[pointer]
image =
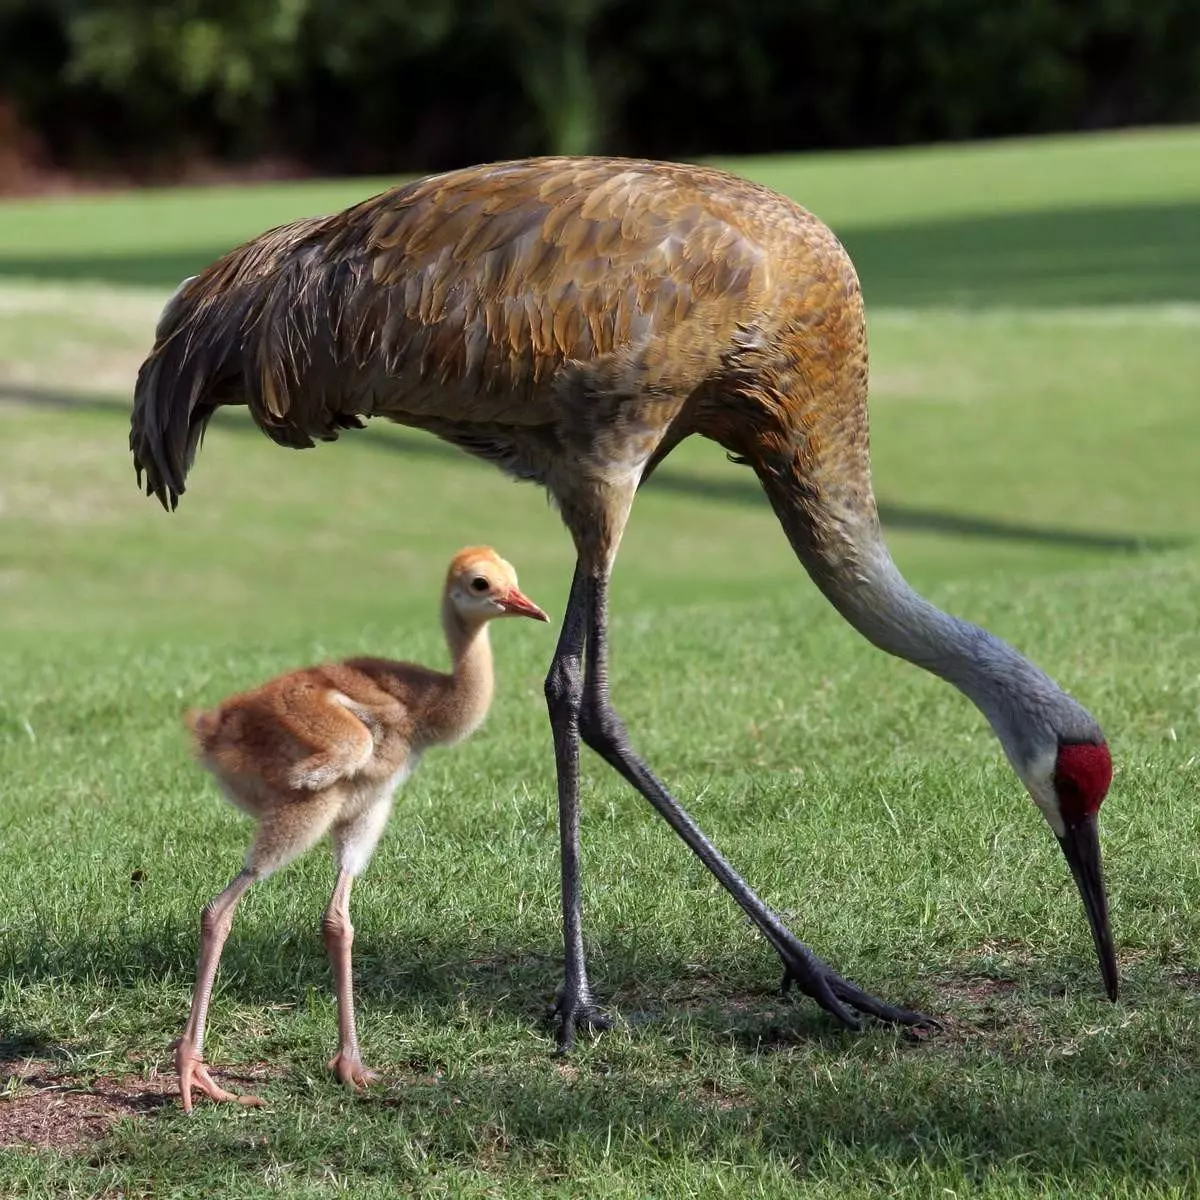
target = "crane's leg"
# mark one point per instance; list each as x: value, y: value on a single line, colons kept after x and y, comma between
x: 602, y: 730
x: 573, y: 1006
x: 215, y: 921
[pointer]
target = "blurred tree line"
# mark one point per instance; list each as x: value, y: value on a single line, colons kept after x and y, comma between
x: 394, y: 85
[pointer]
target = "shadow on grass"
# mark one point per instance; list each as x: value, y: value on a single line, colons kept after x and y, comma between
x: 1086, y: 256
x: 1083, y: 256
x: 521, y: 1128
x: 848, y: 1104
x: 18, y: 1044
x: 400, y: 971
x: 741, y: 488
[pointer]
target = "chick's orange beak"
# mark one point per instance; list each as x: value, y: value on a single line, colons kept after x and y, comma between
x: 516, y: 604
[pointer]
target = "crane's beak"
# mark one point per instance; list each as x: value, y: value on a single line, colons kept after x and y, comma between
x: 1081, y: 845
x: 516, y: 604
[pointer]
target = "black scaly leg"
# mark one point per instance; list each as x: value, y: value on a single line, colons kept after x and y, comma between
x: 573, y: 1006
x: 603, y: 731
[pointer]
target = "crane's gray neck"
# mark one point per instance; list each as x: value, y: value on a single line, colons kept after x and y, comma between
x: 879, y: 602
x: 847, y: 558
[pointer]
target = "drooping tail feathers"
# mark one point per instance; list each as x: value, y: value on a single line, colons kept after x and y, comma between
x: 244, y: 331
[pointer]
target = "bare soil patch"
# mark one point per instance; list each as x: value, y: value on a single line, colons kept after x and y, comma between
x: 718, y: 1096
x: 44, y: 1108
x: 1190, y: 980
x: 976, y: 989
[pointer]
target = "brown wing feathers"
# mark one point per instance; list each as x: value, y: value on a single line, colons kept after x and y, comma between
x: 199, y: 359
x: 485, y: 280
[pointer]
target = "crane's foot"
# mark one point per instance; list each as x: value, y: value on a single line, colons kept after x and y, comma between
x: 574, y: 1009
x: 350, y: 1070
x: 193, y: 1073
x: 833, y: 993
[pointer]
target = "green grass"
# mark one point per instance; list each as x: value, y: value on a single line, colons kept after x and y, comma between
x: 1083, y: 220
x: 1035, y: 441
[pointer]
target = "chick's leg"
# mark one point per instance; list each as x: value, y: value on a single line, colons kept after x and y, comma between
x: 215, y: 921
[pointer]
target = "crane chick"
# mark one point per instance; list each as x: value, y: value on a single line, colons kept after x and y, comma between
x: 322, y: 750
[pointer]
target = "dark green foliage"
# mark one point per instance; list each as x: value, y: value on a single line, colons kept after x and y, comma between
x: 404, y: 84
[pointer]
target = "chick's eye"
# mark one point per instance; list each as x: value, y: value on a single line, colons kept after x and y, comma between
x: 479, y: 584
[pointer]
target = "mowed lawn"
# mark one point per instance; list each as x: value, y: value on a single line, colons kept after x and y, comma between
x: 1035, y: 327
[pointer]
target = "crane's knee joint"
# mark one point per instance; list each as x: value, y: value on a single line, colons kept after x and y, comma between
x: 564, y: 687
x: 599, y: 726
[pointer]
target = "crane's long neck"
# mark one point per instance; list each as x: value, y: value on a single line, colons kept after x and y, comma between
x: 468, y: 693
x: 840, y: 543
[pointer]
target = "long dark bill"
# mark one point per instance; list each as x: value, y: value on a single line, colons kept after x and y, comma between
x: 1081, y: 845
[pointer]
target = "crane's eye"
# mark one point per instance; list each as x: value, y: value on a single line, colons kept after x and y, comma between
x: 479, y: 584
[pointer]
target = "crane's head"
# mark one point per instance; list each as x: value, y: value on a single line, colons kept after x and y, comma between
x: 1068, y: 782
x: 480, y: 586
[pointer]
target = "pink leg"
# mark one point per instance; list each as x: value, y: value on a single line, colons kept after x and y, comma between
x: 339, y: 937
x: 215, y: 921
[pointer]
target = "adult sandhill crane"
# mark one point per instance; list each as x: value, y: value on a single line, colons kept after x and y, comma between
x: 322, y: 750
x: 573, y: 320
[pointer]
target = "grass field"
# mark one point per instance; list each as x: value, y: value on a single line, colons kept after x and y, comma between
x: 1035, y: 324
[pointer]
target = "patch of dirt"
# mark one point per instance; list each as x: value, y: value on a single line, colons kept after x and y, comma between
x: 923, y: 386
x: 710, y: 1092
x: 508, y: 960
x: 1187, y: 979
x: 975, y: 989
x: 709, y: 1000
x: 741, y: 1002
x: 51, y: 504
x: 970, y: 1006
x: 1012, y: 949
x: 44, y: 1108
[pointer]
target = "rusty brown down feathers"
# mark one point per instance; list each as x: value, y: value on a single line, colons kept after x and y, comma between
x: 314, y: 748
x: 569, y: 319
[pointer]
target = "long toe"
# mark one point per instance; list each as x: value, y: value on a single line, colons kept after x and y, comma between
x: 575, y: 1013
x: 833, y: 993
x: 350, y: 1070
x: 873, y: 1006
x: 209, y: 1086
x: 193, y: 1074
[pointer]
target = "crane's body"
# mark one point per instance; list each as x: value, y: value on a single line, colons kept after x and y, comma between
x: 572, y: 320
x: 569, y: 320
